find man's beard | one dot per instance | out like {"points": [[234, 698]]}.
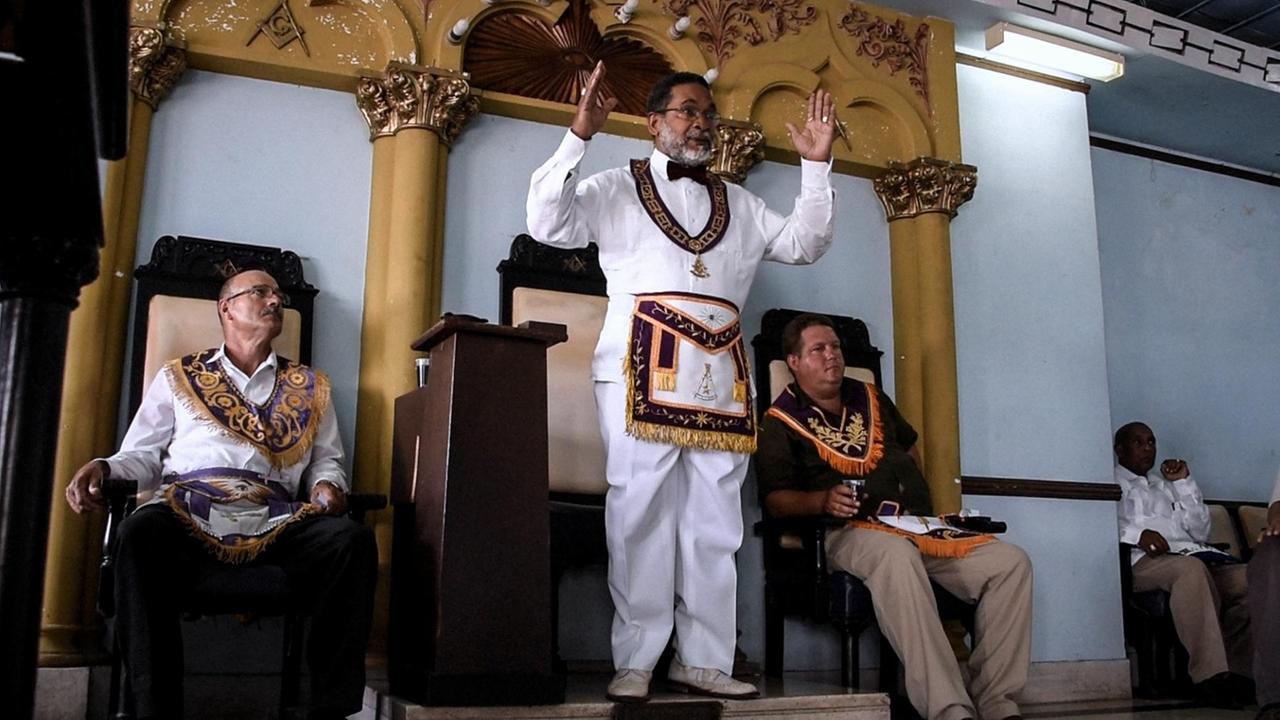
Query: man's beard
{"points": [[677, 148]]}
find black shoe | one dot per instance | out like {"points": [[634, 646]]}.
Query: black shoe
{"points": [[1243, 690], [1217, 692]]}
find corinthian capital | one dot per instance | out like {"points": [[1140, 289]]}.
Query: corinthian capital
{"points": [[739, 147], [409, 97], [156, 61], [925, 185]]}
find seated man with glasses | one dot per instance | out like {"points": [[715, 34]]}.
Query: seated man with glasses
{"points": [[679, 248], [224, 446]]}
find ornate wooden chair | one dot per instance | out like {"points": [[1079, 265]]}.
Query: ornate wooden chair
{"points": [[797, 579], [175, 314]]}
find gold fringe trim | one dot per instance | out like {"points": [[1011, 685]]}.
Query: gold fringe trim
{"points": [[690, 437], [931, 546], [664, 380], [682, 437], [193, 403], [239, 554]]}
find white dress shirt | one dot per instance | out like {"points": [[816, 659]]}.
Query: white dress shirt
{"points": [[637, 257], [1175, 509], [166, 437]]}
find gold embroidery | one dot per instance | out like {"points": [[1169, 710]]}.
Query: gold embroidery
{"points": [[282, 431], [717, 222], [852, 438]]}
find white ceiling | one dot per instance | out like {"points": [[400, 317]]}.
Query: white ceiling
{"points": [[1163, 100]]}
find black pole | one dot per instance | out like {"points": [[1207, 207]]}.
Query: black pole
{"points": [[54, 56]]}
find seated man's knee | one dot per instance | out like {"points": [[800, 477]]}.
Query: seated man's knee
{"points": [[1014, 558]]}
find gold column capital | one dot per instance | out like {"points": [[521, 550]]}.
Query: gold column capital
{"points": [[925, 185], [156, 61], [407, 96], [739, 147]]}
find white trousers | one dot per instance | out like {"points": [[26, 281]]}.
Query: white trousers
{"points": [[673, 520]]}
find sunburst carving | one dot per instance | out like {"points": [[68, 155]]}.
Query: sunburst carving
{"points": [[890, 43], [515, 52], [722, 24]]}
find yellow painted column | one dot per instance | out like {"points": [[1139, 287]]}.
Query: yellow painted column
{"points": [[908, 386], [941, 438], [919, 199], [95, 365], [403, 265]]}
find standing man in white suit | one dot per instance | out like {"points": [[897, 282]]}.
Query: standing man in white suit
{"points": [[679, 248]]}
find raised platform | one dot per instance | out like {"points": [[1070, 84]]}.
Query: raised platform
{"points": [[781, 700]]}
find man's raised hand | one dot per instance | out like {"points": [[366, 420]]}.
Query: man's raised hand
{"points": [[593, 109], [814, 141]]}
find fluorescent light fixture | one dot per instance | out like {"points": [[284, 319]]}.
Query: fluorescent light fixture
{"points": [[1053, 53]]}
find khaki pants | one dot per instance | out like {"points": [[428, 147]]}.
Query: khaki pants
{"points": [[995, 575], [1209, 611]]}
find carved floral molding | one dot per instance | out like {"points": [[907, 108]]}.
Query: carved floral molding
{"points": [[722, 24], [155, 63], [407, 97], [739, 147], [892, 44], [925, 185]]}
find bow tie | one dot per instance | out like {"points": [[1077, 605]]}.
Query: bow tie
{"points": [[697, 173]]}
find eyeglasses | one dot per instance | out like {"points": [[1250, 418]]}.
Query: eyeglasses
{"points": [[690, 113], [262, 292]]}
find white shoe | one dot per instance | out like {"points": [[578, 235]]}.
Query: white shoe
{"points": [[709, 681], [629, 686]]}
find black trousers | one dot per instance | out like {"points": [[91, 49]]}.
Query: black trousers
{"points": [[331, 564], [1264, 612]]}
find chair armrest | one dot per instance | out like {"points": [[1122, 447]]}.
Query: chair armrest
{"points": [[120, 495], [360, 503]]}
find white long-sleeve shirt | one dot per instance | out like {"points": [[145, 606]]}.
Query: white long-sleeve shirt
{"points": [[637, 257], [1175, 509], [167, 438]]}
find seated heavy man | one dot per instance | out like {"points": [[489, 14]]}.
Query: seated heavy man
{"points": [[824, 428], [1163, 515], [221, 446]]}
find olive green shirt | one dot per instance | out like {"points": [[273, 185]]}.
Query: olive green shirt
{"points": [[786, 460]]}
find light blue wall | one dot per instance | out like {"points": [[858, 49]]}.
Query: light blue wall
{"points": [[1189, 273], [1030, 349], [271, 164]]}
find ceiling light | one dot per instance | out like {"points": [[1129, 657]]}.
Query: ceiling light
{"points": [[1051, 52]]}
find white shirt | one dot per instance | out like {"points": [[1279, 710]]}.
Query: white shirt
{"points": [[167, 437], [1175, 509], [637, 257]]}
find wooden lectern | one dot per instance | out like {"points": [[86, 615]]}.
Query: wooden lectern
{"points": [[470, 572]]}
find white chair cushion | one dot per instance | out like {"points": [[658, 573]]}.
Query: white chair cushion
{"points": [[178, 326], [574, 447], [780, 376]]}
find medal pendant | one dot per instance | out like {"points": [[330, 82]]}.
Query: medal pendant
{"points": [[699, 268]]}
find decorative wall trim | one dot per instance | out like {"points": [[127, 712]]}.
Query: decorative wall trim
{"points": [[1052, 489], [1184, 160], [406, 96], [1025, 74], [739, 147], [722, 24], [1160, 35], [518, 52], [156, 61], [892, 44], [925, 185]]}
